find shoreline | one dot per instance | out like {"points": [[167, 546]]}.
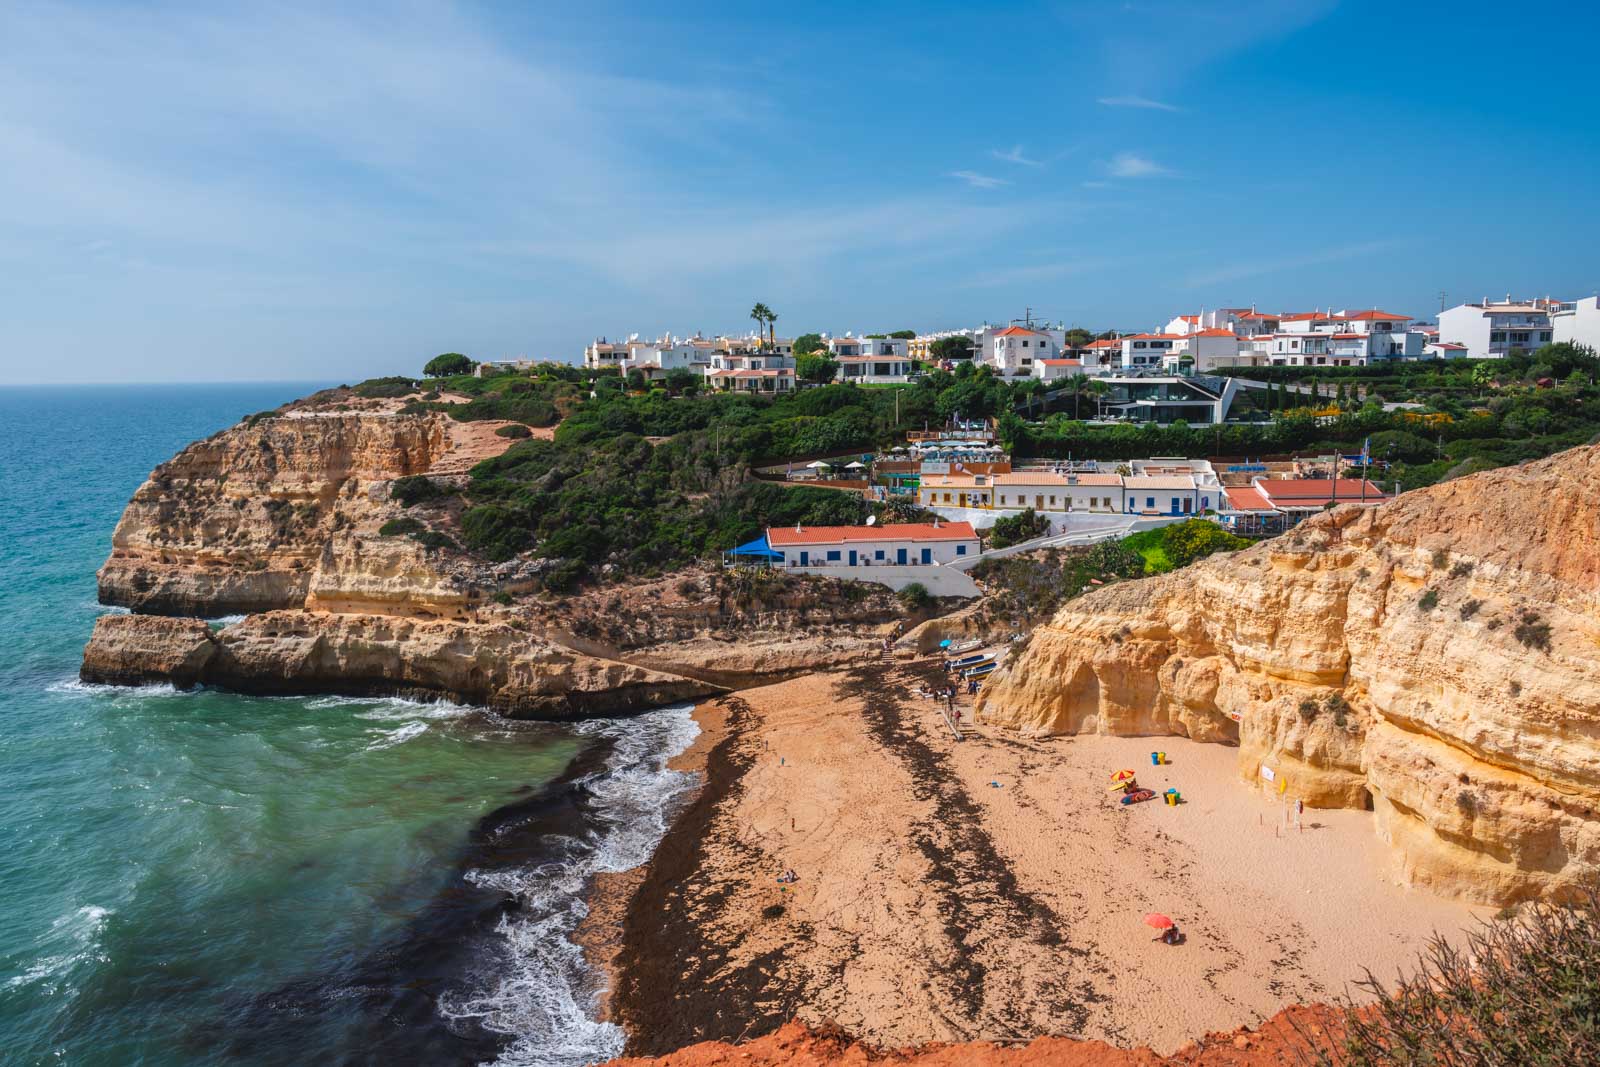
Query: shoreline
{"points": [[978, 891]]}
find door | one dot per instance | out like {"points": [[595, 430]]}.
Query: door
{"points": [[1038, 502], [805, 557], [852, 557], [927, 556], [900, 556], [1174, 510]]}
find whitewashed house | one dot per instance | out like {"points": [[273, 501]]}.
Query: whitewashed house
{"points": [[1577, 322], [892, 544], [1013, 351], [1490, 329]]}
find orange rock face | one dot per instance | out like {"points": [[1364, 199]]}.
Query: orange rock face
{"points": [[1433, 659]]}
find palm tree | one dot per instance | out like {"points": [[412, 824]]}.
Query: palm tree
{"points": [[772, 317], [1078, 382], [759, 313], [1482, 376], [1098, 390]]}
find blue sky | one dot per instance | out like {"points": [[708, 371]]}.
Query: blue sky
{"points": [[210, 192]]}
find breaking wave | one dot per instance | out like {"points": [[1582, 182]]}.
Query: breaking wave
{"points": [[544, 998]]}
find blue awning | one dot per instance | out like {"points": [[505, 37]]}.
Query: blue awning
{"points": [[758, 547]]}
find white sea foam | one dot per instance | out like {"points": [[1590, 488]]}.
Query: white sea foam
{"points": [[81, 688], [546, 997], [391, 738], [75, 938]]}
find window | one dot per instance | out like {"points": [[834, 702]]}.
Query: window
{"points": [[878, 554], [1544, 335], [961, 550], [1150, 502], [1024, 343], [833, 555], [1497, 335]]}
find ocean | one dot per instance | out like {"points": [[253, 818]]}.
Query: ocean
{"points": [[193, 878]]}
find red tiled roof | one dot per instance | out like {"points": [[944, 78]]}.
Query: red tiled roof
{"points": [[1246, 499], [784, 536], [1446, 344], [1214, 332], [1109, 342], [1375, 316], [1304, 491], [1062, 362], [1309, 316], [1258, 315], [1018, 331]]}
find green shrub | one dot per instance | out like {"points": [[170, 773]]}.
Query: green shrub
{"points": [[502, 598], [915, 597], [415, 489], [401, 527], [434, 539], [1195, 539], [1523, 989], [1532, 631], [516, 431], [1015, 529], [495, 531], [1469, 609], [1148, 544], [1428, 600], [392, 386], [261, 416]]}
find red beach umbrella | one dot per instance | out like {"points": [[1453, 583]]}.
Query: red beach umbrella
{"points": [[1122, 776], [1159, 921]]}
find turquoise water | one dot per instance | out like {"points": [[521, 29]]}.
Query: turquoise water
{"points": [[208, 878]]}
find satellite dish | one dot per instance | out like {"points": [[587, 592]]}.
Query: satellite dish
{"points": [[872, 520]]}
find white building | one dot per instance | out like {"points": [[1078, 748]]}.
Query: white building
{"points": [[1055, 491], [1013, 351], [1162, 485], [1145, 351], [874, 369], [892, 544], [1490, 329], [1577, 322]]}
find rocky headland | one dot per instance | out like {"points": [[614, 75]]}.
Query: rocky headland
{"points": [[281, 519], [1433, 659]]}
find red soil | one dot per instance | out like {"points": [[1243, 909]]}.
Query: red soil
{"points": [[1286, 1038]]}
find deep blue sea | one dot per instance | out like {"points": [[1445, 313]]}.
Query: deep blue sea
{"points": [[209, 878]]}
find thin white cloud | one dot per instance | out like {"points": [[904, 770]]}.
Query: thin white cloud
{"points": [[1131, 165], [1015, 155], [1256, 267], [1142, 102], [978, 181]]}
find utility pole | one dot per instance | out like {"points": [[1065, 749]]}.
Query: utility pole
{"points": [[1442, 295]]}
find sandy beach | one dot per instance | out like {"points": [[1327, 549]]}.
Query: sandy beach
{"points": [[989, 888]]}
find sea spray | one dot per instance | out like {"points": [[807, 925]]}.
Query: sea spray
{"points": [[544, 997]]}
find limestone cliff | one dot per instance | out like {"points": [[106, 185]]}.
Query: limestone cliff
{"points": [[287, 652], [244, 520], [278, 518], [1433, 658]]}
